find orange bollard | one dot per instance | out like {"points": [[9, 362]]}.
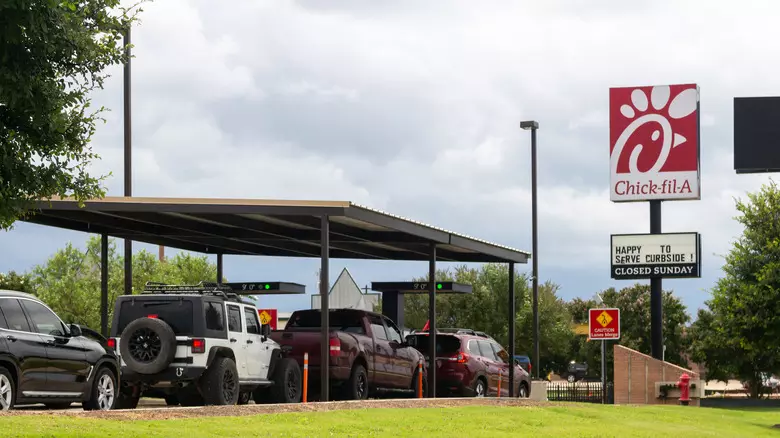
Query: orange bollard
{"points": [[305, 376], [499, 386], [419, 380]]}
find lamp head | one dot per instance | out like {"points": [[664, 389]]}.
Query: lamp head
{"points": [[529, 124]]}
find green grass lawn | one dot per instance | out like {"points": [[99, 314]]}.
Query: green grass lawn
{"points": [[570, 420]]}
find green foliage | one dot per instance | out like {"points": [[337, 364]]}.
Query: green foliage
{"points": [[486, 309], [737, 335], [16, 282], [53, 54], [69, 282], [634, 305]]}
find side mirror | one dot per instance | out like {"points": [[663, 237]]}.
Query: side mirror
{"points": [[75, 330], [265, 330]]}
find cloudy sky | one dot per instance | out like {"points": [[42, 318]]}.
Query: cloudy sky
{"points": [[413, 107]]}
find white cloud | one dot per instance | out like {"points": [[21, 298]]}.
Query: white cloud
{"points": [[415, 109]]}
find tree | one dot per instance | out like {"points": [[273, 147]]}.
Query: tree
{"points": [[738, 334], [53, 54], [16, 282], [486, 309], [634, 304], [69, 282]]}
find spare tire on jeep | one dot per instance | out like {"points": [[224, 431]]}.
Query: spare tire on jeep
{"points": [[148, 345]]}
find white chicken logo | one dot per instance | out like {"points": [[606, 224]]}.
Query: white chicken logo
{"points": [[683, 105]]}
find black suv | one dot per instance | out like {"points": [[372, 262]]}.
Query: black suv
{"points": [[42, 360], [198, 345]]}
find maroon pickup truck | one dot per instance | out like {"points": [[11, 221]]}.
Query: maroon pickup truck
{"points": [[367, 352]]}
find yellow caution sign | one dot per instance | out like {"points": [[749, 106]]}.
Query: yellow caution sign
{"points": [[265, 318]]}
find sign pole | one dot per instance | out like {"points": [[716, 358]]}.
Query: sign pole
{"points": [[603, 372], [656, 292]]}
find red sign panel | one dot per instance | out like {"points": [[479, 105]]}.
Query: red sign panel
{"points": [[654, 143], [603, 324], [267, 317]]}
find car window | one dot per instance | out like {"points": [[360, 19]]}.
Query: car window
{"points": [[392, 331], [3, 324], [501, 353], [487, 351], [14, 317], [377, 327], [44, 320], [215, 316], [234, 319], [350, 322], [473, 348], [252, 324]]}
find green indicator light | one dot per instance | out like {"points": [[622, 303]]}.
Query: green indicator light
{"points": [[438, 285], [267, 286]]}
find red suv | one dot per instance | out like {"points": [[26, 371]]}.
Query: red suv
{"points": [[469, 363]]}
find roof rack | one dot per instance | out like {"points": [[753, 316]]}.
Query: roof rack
{"points": [[458, 331], [202, 288]]}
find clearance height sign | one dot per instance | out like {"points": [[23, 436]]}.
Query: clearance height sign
{"points": [[603, 324], [644, 256]]}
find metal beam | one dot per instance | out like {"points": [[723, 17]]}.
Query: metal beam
{"points": [[128, 140], [219, 267], [324, 308], [432, 321], [512, 317], [104, 285]]}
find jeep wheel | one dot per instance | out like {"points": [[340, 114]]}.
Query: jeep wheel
{"points": [[148, 345], [287, 382], [244, 397], [356, 387], [571, 378], [220, 384]]}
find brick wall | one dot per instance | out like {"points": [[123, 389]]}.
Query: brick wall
{"points": [[635, 375]]}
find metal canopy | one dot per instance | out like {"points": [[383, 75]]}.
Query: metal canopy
{"points": [[412, 287], [281, 228]]}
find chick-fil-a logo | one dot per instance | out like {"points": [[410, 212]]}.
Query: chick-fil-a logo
{"points": [[654, 142]]}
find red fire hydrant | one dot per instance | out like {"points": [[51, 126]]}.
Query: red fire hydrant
{"points": [[684, 385]]}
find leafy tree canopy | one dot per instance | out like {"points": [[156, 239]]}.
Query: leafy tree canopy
{"points": [[53, 54], [738, 334]]}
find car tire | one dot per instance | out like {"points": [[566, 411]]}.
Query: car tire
{"points": [[7, 390], [190, 396], [522, 391], [287, 387], [244, 397], [220, 384], [571, 378], [103, 394], [148, 345], [480, 388], [172, 400], [356, 387]]}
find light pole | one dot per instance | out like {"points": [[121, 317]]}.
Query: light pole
{"points": [[603, 361], [533, 126]]}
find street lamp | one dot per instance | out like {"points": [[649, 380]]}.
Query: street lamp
{"points": [[533, 125]]}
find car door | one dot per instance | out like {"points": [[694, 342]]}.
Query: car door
{"points": [[403, 369], [256, 362], [382, 353], [67, 357], [492, 368], [503, 367], [237, 337], [25, 346]]}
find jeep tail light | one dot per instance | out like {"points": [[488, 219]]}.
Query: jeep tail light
{"points": [[335, 346], [111, 343], [153, 316], [198, 346]]}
